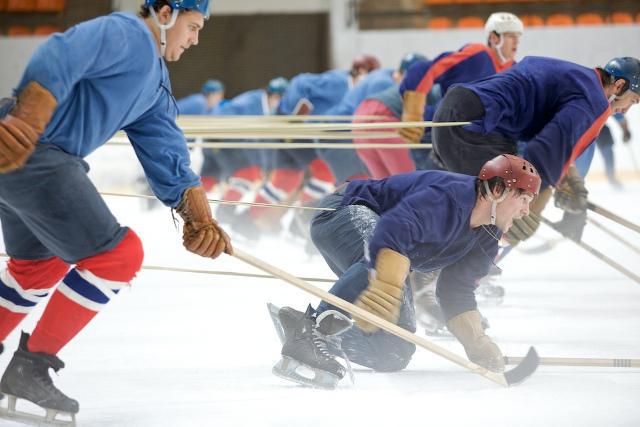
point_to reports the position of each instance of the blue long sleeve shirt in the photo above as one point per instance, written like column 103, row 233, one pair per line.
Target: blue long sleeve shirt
column 251, row 103
column 106, row 75
column 425, row 216
column 556, row 106
column 195, row 104
column 374, row 82
column 473, row 61
column 323, row 91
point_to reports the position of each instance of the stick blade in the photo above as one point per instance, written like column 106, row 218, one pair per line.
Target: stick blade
column 525, row 369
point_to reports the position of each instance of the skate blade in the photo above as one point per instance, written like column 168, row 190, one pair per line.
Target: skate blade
column 10, row 413
column 293, row 370
column 273, row 312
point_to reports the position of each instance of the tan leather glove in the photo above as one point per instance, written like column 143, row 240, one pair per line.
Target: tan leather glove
column 571, row 194
column 467, row 328
column 526, row 226
column 22, row 127
column 201, row 234
column 383, row 296
column 413, row 105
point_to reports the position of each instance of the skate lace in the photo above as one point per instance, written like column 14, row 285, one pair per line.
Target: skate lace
column 321, row 342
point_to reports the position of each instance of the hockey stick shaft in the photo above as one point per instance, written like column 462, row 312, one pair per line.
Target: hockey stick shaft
column 597, row 254
column 579, row 361
column 613, row 217
column 375, row 320
column 614, row 235
column 117, row 141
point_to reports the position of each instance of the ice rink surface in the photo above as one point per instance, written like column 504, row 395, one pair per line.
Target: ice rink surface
column 188, row 349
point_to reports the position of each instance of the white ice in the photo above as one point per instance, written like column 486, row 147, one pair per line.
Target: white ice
column 187, row 349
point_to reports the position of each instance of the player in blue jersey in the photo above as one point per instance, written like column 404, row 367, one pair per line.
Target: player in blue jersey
column 210, row 97
column 556, row 107
column 79, row 88
column 380, row 230
column 472, row 62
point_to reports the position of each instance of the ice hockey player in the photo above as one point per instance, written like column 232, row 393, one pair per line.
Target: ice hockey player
column 472, row 62
column 307, row 94
column 244, row 169
column 567, row 105
column 379, row 231
column 78, row 89
column 387, row 103
column 211, row 96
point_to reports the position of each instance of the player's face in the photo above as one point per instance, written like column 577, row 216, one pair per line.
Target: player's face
column 515, row 206
column 274, row 100
column 623, row 102
column 183, row 34
column 214, row 98
column 510, row 43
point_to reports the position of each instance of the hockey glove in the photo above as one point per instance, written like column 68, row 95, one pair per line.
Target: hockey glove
column 22, row 127
column 571, row 194
column 383, row 296
column 467, row 328
column 201, row 234
column 572, row 225
column 526, row 226
column 413, row 111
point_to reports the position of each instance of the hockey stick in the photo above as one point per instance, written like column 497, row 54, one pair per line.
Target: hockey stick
column 579, row 361
column 596, row 253
column 289, row 145
column 518, row 374
column 613, row 217
column 614, row 235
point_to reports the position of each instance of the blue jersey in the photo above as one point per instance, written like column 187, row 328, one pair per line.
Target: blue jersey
column 374, row 82
column 195, row 104
column 473, row 62
column 556, row 106
column 106, row 75
column 425, row 216
column 251, row 103
column 322, row 90
column 391, row 98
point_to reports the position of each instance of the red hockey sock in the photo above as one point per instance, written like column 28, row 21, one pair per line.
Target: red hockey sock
column 84, row 291
column 22, row 285
column 282, row 184
column 208, row 182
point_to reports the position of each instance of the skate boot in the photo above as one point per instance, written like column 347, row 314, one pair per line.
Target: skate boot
column 27, row 377
column 306, row 357
column 428, row 312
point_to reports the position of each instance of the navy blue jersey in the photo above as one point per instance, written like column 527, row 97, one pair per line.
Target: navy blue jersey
column 556, row 106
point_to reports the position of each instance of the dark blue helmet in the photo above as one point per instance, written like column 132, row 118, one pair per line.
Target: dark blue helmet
column 278, row 85
column 626, row 68
column 201, row 6
column 212, row 86
column 409, row 59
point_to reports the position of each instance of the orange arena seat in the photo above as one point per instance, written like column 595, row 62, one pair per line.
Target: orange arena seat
column 21, row 5
column 532, row 21
column 470, row 22
column 621, row 18
column 3, row 5
column 45, row 30
column 559, row 19
column 589, row 19
column 19, row 30
column 439, row 23
column 50, row 5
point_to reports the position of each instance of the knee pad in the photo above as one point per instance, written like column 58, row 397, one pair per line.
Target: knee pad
column 396, row 354
column 37, row 274
column 119, row 264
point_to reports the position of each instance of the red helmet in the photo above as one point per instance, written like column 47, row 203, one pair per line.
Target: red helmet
column 515, row 171
column 366, row 62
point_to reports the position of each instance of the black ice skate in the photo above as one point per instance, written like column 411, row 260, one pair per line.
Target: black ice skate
column 308, row 342
column 428, row 312
column 27, row 377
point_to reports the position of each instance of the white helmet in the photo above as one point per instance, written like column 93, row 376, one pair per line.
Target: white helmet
column 503, row 22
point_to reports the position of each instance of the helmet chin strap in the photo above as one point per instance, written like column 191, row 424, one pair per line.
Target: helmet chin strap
column 498, row 48
column 164, row 28
column 494, row 202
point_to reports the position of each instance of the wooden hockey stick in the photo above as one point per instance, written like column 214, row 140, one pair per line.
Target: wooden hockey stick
column 274, row 118
column 596, row 253
column 614, row 235
column 326, row 136
column 613, row 217
column 579, row 361
column 123, row 142
column 520, row 373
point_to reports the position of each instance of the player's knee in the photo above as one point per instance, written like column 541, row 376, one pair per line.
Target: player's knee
column 119, row 264
column 37, row 274
column 395, row 359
